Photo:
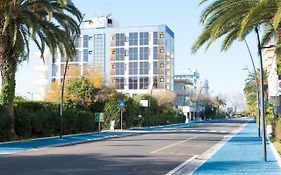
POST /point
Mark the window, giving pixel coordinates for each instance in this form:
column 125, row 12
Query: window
column 119, row 68
column 155, row 82
column 133, row 53
column 120, row 39
column 77, row 56
column 155, row 53
column 155, row 67
column 143, row 53
column 54, row 69
column 85, row 55
column 77, row 42
column 133, row 39
column 155, row 38
column 133, row 68
column 144, row 67
column 85, row 40
column 144, row 38
column 143, row 82
column 120, row 53
column 133, row 83
column 119, row 82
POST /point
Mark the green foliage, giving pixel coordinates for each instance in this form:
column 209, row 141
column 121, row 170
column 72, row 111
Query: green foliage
column 278, row 129
column 166, row 118
column 269, row 114
column 5, row 125
column 40, row 119
column 82, row 92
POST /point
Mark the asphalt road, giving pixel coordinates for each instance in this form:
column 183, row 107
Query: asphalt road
column 157, row 152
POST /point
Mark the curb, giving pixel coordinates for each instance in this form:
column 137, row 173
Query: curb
column 275, row 152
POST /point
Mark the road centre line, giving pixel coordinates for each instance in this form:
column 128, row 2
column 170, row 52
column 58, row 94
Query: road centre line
column 174, row 144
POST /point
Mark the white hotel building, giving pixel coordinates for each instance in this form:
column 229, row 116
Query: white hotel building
column 134, row 60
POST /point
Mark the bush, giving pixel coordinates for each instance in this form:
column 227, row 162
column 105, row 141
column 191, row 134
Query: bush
column 5, row 125
column 40, row 119
column 278, row 129
column 165, row 119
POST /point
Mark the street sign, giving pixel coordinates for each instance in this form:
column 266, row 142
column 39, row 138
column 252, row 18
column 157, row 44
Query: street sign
column 99, row 117
column 279, row 87
column 144, row 103
column 121, row 103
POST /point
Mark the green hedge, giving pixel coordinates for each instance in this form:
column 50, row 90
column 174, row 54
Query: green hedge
column 40, row 119
column 165, row 119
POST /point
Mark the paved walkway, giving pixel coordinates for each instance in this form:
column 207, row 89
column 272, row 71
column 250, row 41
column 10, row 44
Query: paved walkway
column 13, row 147
column 241, row 155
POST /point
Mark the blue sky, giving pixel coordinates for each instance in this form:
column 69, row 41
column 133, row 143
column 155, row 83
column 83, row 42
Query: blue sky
column 223, row 70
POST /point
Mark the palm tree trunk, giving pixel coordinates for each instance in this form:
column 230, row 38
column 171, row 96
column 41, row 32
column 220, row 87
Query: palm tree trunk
column 8, row 70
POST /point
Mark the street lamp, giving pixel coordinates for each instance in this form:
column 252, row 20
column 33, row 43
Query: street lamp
column 262, row 93
column 63, row 84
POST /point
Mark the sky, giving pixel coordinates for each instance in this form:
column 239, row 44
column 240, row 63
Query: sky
column 223, row 70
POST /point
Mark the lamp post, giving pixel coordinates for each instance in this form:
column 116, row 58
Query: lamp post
column 257, row 87
column 262, row 97
column 63, row 84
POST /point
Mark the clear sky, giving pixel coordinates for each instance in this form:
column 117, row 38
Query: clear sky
column 223, row 70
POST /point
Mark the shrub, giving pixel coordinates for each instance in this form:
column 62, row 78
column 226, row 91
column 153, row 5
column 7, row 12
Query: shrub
column 278, row 129
column 5, row 125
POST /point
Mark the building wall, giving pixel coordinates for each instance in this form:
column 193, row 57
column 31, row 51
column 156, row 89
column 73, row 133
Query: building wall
column 134, row 60
column 270, row 67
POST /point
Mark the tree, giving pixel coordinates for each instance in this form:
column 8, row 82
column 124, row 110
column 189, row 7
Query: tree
column 164, row 98
column 49, row 23
column 235, row 19
column 250, row 90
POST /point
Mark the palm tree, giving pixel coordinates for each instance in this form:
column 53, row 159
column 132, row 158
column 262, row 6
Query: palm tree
column 49, row 23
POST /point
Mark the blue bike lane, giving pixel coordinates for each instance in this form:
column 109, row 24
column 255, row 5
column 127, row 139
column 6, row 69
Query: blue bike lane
column 241, row 155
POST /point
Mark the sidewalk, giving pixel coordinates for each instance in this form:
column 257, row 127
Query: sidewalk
column 241, row 155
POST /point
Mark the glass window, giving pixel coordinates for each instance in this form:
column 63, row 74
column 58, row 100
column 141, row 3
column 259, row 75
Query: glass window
column 133, row 83
column 155, row 67
column 77, row 56
column 133, row 53
column 54, row 69
column 120, row 39
column 144, row 67
column 155, row 82
column 85, row 55
column 144, row 38
column 155, row 38
column 119, row 82
column 133, row 68
column 155, row 53
column 85, row 40
column 143, row 82
column 119, row 68
column 133, row 39
column 143, row 53
column 120, row 53
column 77, row 42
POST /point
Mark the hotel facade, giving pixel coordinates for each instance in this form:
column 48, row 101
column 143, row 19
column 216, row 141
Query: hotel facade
column 133, row 60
